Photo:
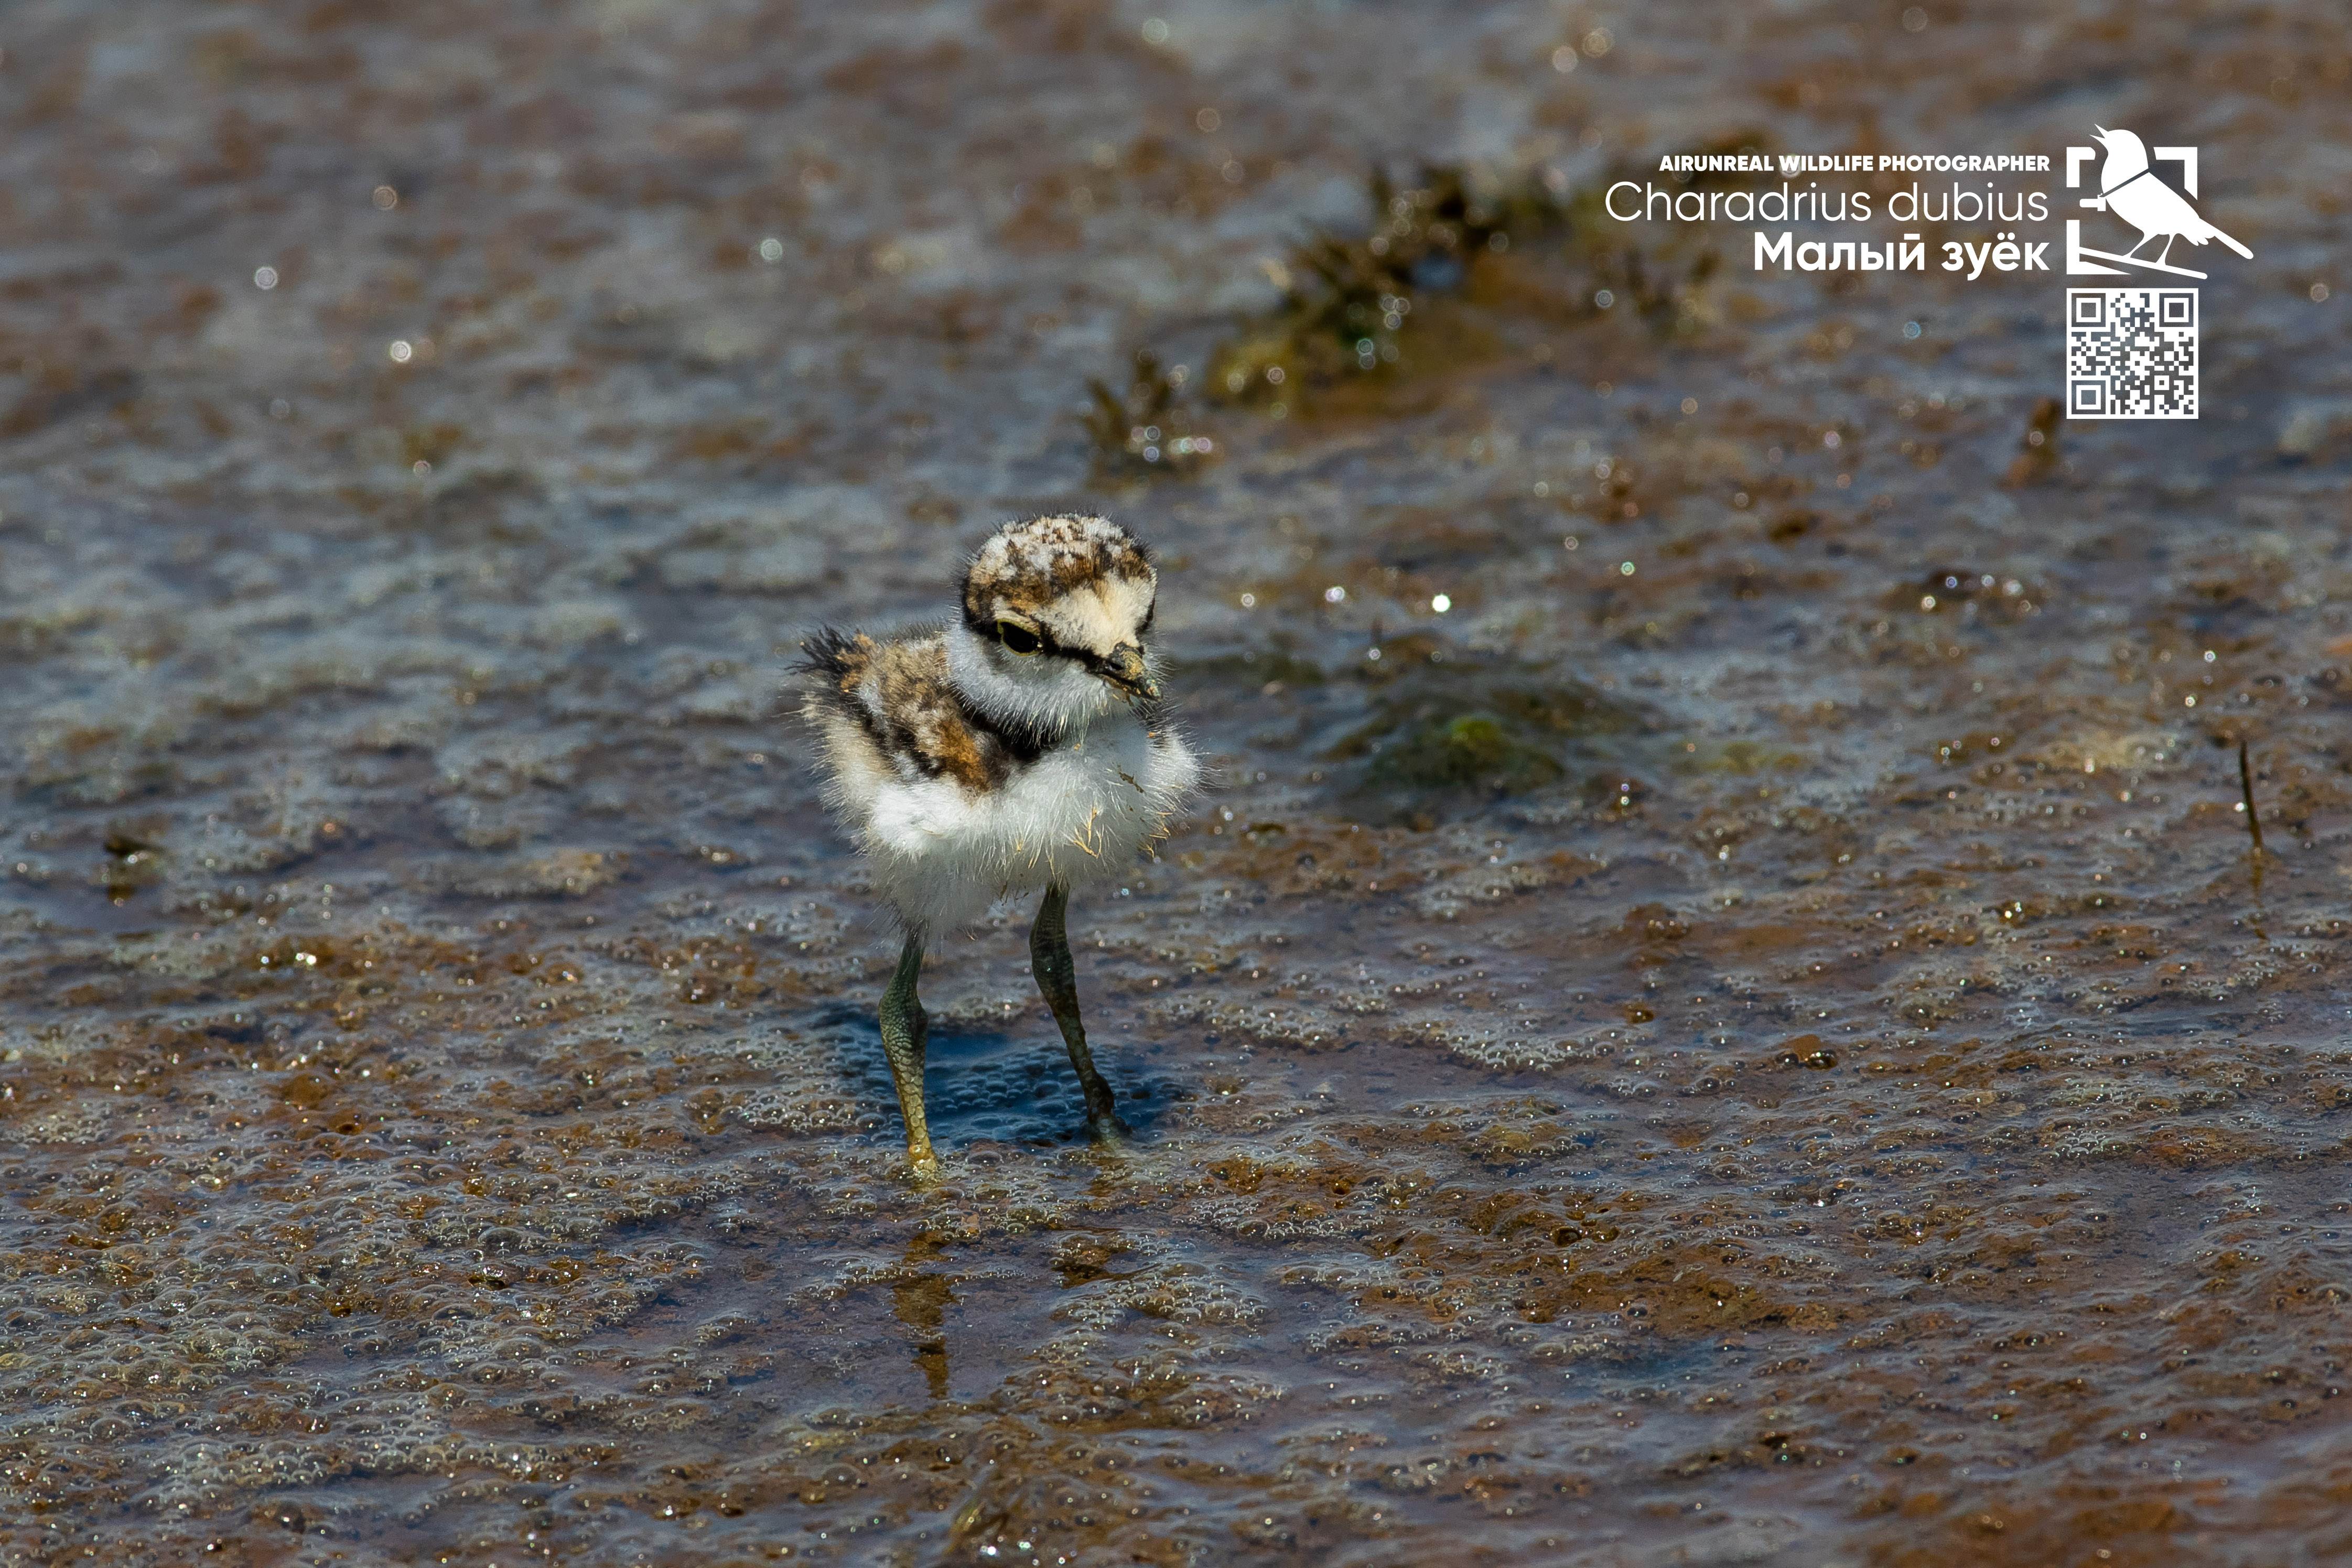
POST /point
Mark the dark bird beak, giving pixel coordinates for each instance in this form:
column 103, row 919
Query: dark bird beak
column 1124, row 669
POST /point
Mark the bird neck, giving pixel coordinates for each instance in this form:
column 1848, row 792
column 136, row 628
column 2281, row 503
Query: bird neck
column 1049, row 707
column 2119, row 184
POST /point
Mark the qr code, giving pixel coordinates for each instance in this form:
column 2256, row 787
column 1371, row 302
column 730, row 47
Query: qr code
column 2131, row 353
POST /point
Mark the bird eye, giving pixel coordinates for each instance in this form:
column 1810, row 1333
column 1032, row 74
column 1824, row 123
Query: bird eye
column 1017, row 637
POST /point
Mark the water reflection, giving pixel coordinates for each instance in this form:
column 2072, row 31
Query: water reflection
column 921, row 1302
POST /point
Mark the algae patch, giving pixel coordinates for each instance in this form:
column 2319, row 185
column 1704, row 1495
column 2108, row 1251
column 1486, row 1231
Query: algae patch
column 1455, row 732
column 1142, row 430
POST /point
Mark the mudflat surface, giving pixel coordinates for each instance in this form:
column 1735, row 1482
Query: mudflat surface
column 1755, row 1034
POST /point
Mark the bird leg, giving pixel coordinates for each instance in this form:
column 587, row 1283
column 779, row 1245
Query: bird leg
column 905, row 1030
column 1057, row 982
column 2166, row 250
column 2135, row 250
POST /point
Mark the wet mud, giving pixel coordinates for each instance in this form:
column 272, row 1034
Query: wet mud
column 1722, row 1009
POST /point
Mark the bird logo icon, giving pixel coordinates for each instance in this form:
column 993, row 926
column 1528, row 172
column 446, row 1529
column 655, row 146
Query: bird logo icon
column 2129, row 187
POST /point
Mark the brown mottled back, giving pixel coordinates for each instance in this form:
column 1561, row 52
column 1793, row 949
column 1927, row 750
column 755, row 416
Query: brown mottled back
column 899, row 695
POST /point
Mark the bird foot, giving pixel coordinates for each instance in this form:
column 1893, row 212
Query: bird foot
column 1108, row 1130
column 923, row 1168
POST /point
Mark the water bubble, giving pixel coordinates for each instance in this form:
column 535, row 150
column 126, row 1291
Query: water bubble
column 402, row 350
column 1155, row 32
column 264, row 277
column 385, row 198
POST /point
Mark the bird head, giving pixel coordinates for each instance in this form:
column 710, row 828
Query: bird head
column 2123, row 147
column 1056, row 614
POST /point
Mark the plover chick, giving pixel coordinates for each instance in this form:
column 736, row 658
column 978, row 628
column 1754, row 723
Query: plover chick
column 1020, row 748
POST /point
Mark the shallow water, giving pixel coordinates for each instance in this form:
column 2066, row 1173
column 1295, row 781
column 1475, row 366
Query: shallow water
column 1783, row 1053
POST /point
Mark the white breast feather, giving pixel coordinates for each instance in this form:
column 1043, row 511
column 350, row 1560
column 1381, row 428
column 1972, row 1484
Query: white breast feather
column 1077, row 815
